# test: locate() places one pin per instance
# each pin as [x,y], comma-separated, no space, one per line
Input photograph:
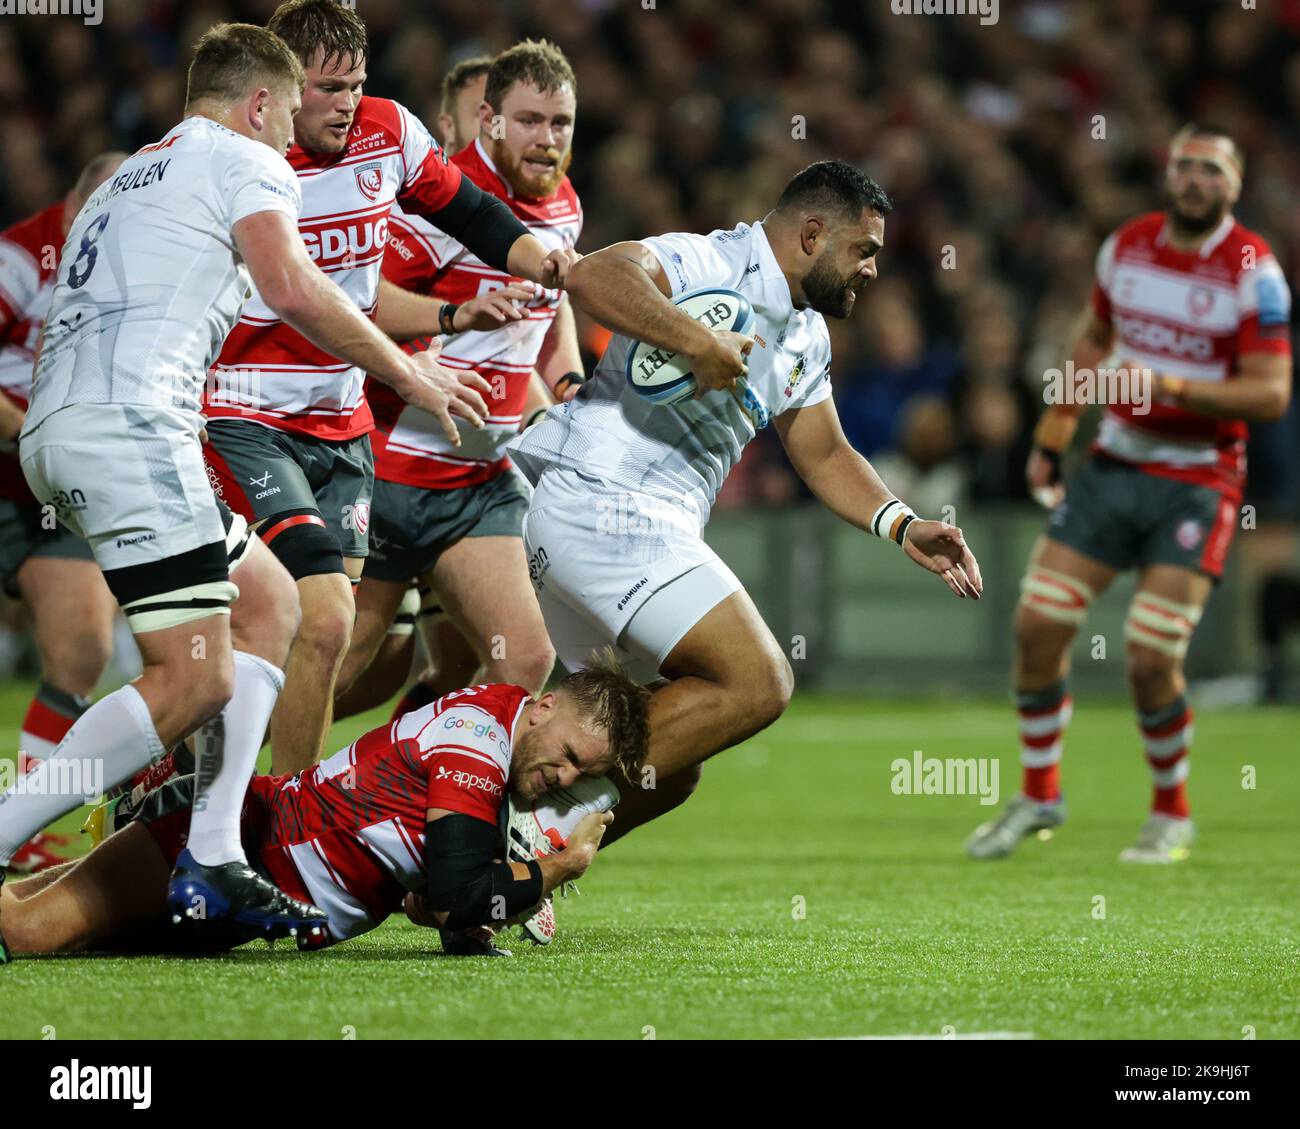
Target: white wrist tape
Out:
[892,520]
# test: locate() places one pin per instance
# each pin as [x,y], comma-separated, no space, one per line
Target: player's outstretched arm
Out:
[301,295]
[405,315]
[850,488]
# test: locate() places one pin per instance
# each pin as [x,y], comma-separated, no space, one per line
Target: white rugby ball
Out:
[663,376]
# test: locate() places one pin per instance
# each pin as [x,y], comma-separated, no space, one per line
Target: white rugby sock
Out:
[226,751]
[560,811]
[110,742]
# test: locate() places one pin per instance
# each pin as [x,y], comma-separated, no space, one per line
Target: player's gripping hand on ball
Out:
[940,548]
[723,362]
[583,844]
[444,393]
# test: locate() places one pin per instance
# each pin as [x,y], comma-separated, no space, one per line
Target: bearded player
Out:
[49,568]
[624,487]
[1198,302]
[410,814]
[288,425]
[452,516]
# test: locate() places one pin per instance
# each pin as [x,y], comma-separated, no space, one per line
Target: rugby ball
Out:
[663,376]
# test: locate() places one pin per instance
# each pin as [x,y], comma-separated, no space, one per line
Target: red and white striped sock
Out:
[1044,714]
[46,723]
[1167,738]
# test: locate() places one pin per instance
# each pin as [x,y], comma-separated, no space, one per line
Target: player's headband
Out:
[1217,151]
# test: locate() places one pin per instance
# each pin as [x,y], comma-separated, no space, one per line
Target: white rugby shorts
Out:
[617,568]
[130,479]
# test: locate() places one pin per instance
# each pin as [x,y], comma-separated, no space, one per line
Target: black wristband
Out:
[447,317]
[1054,460]
[902,527]
[535,417]
[577,379]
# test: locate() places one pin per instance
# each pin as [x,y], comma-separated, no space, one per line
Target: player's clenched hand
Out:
[556,266]
[583,843]
[442,393]
[725,362]
[941,548]
[493,310]
[1043,477]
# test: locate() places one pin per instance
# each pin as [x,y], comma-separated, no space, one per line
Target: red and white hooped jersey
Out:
[29,261]
[1193,315]
[348,834]
[268,372]
[409,445]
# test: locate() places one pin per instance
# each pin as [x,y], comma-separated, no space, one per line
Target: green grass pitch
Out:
[796,896]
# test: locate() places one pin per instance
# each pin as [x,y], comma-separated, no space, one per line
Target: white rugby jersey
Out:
[150,282]
[683,452]
[268,372]
[410,447]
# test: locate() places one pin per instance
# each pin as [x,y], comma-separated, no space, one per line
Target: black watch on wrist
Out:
[576,379]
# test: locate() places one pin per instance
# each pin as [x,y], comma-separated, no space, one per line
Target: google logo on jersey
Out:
[479,730]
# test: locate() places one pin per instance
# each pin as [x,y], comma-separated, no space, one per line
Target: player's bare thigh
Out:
[484,588]
[377,602]
[72,613]
[730,645]
[120,885]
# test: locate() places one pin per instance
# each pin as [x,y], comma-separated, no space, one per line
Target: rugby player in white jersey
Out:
[624,486]
[288,429]
[157,266]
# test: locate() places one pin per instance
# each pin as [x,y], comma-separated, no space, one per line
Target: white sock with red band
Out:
[49,717]
[226,751]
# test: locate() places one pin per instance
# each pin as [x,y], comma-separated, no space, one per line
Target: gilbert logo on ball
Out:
[663,376]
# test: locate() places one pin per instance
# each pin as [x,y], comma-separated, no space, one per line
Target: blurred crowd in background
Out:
[1010,150]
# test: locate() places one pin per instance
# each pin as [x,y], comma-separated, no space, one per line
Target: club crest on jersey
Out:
[370,178]
[1200,301]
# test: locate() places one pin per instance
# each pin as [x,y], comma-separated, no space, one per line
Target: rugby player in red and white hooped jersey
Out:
[409,816]
[1196,304]
[452,516]
[49,568]
[287,424]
